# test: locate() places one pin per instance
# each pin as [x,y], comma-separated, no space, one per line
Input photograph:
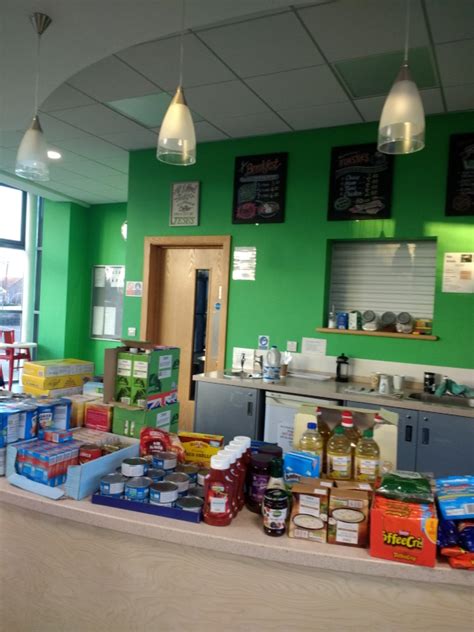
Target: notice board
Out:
[360,185]
[460,186]
[259,189]
[107,302]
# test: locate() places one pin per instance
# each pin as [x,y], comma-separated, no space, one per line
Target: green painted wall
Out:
[287,300]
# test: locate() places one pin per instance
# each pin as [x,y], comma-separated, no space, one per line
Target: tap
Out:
[259,362]
[242,362]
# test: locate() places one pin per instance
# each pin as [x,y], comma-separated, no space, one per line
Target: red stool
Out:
[12,355]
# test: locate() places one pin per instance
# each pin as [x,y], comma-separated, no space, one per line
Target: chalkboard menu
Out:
[460,187]
[360,183]
[259,189]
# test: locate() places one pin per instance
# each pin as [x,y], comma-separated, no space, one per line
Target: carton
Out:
[199,447]
[98,416]
[52,393]
[348,520]
[78,408]
[47,368]
[361,485]
[129,420]
[309,512]
[56,381]
[403,532]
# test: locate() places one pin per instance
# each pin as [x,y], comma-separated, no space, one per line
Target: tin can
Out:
[190,503]
[10,425]
[196,490]
[46,413]
[138,489]
[163,493]
[134,467]
[89,452]
[165,460]
[112,485]
[109,448]
[155,474]
[28,418]
[190,469]
[181,480]
[201,477]
[3,458]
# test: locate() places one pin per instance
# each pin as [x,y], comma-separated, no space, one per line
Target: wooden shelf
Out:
[381,334]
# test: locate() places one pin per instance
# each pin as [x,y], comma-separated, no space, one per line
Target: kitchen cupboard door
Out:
[445,444]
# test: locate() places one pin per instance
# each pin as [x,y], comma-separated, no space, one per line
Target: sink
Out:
[232,374]
[444,400]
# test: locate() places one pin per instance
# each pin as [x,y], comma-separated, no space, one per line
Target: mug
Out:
[384,385]
[398,383]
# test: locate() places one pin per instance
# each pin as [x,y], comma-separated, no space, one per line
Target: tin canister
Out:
[181,480]
[196,490]
[3,458]
[155,474]
[138,489]
[201,477]
[28,418]
[10,424]
[134,467]
[163,493]
[190,469]
[46,412]
[112,485]
[89,452]
[190,503]
[165,460]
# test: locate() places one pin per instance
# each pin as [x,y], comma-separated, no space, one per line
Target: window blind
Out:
[384,276]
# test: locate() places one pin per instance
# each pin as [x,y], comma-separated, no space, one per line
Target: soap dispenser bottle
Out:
[342,368]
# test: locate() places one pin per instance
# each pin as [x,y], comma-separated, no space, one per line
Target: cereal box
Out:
[199,447]
[348,521]
[403,532]
[309,512]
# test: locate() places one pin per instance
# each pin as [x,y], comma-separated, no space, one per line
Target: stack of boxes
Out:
[146,393]
[55,378]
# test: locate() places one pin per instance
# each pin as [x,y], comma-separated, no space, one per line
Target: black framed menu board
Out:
[360,184]
[460,186]
[259,189]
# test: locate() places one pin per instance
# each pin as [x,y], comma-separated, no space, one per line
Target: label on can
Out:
[163,492]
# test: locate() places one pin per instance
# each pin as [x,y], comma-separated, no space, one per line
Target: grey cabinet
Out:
[229,410]
[432,442]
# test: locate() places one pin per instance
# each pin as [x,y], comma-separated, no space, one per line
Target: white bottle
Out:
[386,437]
[271,366]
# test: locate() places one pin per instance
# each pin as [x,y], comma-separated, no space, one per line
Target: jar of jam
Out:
[258,474]
[271,448]
[275,511]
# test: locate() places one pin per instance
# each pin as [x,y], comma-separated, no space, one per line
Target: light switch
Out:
[132,331]
[291,345]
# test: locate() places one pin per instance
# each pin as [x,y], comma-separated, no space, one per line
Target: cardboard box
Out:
[98,416]
[48,368]
[361,485]
[129,420]
[348,520]
[55,382]
[53,393]
[309,512]
[403,532]
[78,408]
[199,447]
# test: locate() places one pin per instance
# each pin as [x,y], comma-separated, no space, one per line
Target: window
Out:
[13,214]
[395,276]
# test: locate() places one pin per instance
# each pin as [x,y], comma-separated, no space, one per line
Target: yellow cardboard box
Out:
[57,381]
[199,447]
[54,392]
[68,366]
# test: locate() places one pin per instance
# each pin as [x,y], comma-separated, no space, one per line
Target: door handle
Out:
[425,436]
[249,409]
[408,433]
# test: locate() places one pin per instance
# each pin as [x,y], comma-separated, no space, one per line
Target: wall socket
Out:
[132,331]
[291,345]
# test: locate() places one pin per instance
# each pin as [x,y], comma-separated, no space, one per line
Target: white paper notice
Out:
[245,263]
[285,437]
[458,272]
[109,321]
[99,277]
[98,320]
[117,276]
[314,346]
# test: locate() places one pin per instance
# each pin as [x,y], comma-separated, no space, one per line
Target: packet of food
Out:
[411,487]
[154,440]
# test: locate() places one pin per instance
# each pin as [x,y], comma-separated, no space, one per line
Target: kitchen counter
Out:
[330,389]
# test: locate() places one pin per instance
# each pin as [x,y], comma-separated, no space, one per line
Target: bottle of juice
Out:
[339,456]
[350,430]
[312,442]
[367,458]
[218,493]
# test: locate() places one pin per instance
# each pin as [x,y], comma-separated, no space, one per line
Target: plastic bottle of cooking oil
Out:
[350,430]
[339,456]
[367,458]
[323,428]
[311,441]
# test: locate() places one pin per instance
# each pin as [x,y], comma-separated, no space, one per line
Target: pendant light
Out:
[177,138]
[402,124]
[32,156]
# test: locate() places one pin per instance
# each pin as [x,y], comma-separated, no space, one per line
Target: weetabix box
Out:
[67,366]
[55,381]
[129,420]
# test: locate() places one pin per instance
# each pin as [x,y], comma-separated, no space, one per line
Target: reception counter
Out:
[71,565]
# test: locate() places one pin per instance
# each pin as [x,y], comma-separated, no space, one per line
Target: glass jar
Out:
[258,475]
[275,511]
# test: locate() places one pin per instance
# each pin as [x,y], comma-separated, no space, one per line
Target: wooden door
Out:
[171,282]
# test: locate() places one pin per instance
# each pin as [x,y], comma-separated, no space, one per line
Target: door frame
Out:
[151,288]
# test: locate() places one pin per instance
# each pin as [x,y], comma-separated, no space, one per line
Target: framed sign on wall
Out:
[107,302]
[460,186]
[184,209]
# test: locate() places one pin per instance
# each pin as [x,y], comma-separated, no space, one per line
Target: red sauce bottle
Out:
[218,493]
[235,475]
[236,450]
[246,443]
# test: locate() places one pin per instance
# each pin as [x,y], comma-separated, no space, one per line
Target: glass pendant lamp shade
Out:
[177,139]
[402,124]
[32,158]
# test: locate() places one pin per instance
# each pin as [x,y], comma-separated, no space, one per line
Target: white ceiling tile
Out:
[7,159]
[98,149]
[455,61]
[321,116]
[460,97]
[160,62]
[232,98]
[116,182]
[97,119]
[264,45]
[65,97]
[111,79]
[299,88]
[11,139]
[88,168]
[139,139]
[371,108]
[252,124]
[56,130]
[451,20]
[206,132]
[355,28]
